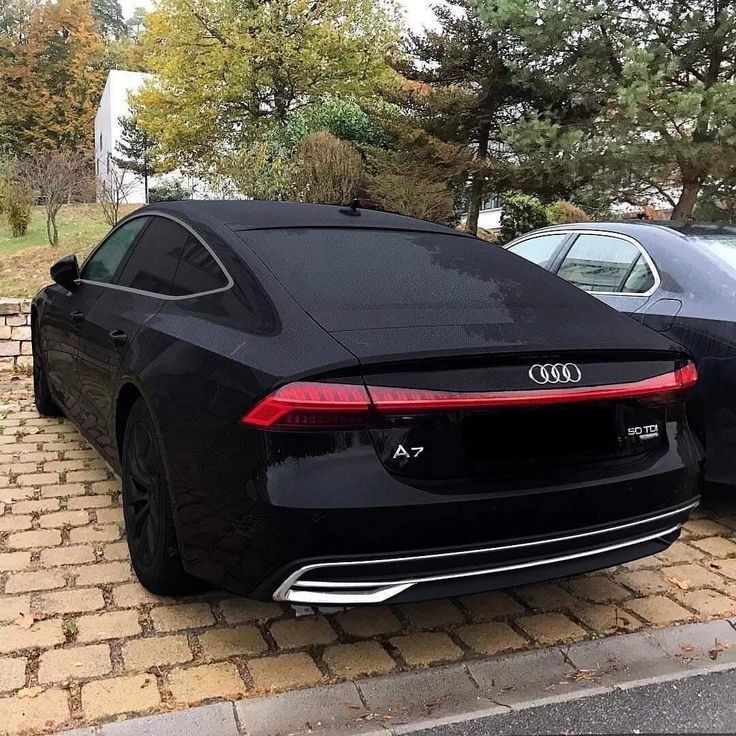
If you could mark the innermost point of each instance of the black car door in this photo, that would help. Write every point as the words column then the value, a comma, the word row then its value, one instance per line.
column 61, row 338
column 69, row 309
column 136, row 294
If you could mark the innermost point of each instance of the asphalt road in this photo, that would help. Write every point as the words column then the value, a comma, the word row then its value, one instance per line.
column 701, row 704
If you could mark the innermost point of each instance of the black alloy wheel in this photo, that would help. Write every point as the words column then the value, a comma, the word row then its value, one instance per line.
column 149, row 520
column 45, row 403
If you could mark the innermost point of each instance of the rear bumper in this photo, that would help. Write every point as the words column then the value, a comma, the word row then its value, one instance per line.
column 402, row 578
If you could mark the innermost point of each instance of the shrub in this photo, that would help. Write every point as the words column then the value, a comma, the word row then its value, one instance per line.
column 563, row 211
column 16, row 200
column 343, row 118
column 521, row 213
column 327, row 169
column 18, row 211
column 169, row 190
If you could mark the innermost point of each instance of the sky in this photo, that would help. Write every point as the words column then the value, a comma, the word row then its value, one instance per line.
column 418, row 12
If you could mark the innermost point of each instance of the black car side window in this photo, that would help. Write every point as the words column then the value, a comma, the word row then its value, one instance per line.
column 104, row 262
column 198, row 271
column 152, row 264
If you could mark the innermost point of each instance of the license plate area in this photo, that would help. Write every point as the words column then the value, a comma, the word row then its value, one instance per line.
column 519, row 441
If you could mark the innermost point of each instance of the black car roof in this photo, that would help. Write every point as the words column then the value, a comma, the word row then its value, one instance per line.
column 239, row 215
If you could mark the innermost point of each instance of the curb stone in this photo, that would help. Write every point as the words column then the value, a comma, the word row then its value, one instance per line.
column 410, row 701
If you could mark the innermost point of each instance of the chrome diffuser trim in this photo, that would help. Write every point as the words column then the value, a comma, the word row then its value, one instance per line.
column 379, row 592
column 295, row 590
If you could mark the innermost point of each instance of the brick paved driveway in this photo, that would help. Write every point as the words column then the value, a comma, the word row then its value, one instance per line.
column 81, row 642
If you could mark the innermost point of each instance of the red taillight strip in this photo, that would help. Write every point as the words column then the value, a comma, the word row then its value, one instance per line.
column 399, row 400
column 310, row 404
column 307, row 398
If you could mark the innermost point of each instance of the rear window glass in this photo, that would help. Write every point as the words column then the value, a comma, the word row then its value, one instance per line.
column 198, row 271
column 354, row 278
column 722, row 246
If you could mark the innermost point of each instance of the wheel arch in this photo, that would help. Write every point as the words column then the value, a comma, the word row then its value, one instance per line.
column 128, row 394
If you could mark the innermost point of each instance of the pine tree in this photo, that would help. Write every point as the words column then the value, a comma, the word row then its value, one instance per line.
column 137, row 151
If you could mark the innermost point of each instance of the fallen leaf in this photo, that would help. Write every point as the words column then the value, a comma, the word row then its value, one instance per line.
column 26, row 620
column 687, row 647
column 681, row 584
column 717, row 648
column 582, row 675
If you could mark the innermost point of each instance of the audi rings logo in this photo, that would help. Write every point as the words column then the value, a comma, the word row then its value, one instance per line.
column 554, row 373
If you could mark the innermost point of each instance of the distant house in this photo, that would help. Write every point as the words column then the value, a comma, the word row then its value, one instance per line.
column 113, row 106
column 489, row 217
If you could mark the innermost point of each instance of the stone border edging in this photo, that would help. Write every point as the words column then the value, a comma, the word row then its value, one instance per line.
column 15, row 333
column 409, row 701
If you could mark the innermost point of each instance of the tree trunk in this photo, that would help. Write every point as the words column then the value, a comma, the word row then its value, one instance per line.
column 474, row 204
column 477, row 188
column 51, row 230
column 145, row 186
column 689, row 195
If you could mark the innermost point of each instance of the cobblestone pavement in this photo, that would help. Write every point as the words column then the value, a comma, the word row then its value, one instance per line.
column 82, row 642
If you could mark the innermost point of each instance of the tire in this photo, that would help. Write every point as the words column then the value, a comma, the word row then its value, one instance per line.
column 149, row 520
column 42, row 397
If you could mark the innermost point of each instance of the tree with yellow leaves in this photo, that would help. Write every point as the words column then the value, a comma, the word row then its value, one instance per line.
column 227, row 70
column 51, row 75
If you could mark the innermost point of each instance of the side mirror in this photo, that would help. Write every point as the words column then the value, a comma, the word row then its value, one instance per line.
column 66, row 272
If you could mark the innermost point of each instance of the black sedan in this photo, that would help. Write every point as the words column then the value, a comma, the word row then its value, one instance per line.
column 328, row 405
column 678, row 278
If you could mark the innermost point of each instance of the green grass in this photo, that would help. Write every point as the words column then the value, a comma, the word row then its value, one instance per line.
column 78, row 223
column 25, row 262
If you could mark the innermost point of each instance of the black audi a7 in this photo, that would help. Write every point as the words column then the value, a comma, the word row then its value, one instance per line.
column 678, row 278
column 325, row 405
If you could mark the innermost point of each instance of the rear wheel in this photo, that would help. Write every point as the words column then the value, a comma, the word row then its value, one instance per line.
column 41, row 391
column 149, row 520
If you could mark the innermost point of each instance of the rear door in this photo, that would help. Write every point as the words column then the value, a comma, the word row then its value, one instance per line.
column 136, row 294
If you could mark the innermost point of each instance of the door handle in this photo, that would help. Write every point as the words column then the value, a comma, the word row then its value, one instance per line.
column 118, row 337
column 77, row 317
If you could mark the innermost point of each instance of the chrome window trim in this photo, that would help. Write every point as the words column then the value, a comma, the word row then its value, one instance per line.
column 293, row 579
column 607, row 233
column 154, row 294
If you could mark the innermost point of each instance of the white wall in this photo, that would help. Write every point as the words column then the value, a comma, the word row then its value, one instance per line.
column 490, row 219
column 108, row 131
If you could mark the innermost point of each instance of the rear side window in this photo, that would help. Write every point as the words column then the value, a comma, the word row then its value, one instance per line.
column 104, row 262
column 539, row 250
column 198, row 271
column 152, row 264
column 603, row 263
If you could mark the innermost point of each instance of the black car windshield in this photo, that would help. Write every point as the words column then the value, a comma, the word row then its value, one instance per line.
column 364, row 278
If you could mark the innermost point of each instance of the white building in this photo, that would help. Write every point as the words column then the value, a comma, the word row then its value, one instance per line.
column 108, row 131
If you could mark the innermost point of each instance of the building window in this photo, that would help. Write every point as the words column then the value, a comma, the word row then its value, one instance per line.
column 493, row 202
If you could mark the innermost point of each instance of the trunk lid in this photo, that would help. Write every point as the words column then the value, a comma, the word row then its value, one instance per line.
column 520, row 445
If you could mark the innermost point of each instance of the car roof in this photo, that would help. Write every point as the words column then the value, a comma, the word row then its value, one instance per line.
column 241, row 215
column 645, row 228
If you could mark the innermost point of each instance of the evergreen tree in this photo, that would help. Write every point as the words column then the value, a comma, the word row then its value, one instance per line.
column 137, row 151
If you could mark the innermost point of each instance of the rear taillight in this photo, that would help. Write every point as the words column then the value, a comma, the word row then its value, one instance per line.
column 305, row 405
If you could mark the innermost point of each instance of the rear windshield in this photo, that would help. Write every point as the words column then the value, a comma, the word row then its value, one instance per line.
column 722, row 245
column 360, row 278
